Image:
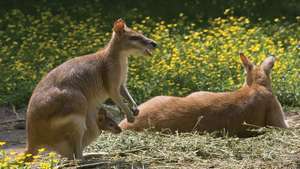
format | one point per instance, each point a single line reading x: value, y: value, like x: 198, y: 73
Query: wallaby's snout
x: 150, y: 45
x: 154, y: 44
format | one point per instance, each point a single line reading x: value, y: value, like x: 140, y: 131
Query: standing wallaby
x: 63, y: 104
x: 254, y: 104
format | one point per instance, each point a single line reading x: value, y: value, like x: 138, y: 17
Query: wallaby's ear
x: 246, y: 62
x: 119, y: 26
x: 268, y: 64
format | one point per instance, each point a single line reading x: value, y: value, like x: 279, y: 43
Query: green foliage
x: 200, y: 55
x: 33, y: 45
x: 166, y: 9
x: 191, y: 59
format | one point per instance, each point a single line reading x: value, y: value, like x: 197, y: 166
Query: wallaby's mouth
x: 150, y: 46
x: 148, y: 52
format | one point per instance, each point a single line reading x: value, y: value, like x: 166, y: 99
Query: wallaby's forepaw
x: 135, y: 111
x: 130, y: 119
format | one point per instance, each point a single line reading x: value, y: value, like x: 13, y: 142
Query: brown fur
x: 63, y: 104
x: 254, y: 103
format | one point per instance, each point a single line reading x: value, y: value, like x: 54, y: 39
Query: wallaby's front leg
x: 125, y: 93
x: 115, y: 95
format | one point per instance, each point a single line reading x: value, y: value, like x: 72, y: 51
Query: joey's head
x: 130, y: 41
x: 106, y: 123
x: 258, y: 74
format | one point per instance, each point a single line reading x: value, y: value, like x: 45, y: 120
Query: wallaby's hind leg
x: 73, y: 129
x: 31, y: 143
x: 65, y: 149
x: 77, y: 137
x: 71, y: 125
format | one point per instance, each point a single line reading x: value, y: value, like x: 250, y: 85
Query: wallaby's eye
x: 134, y: 38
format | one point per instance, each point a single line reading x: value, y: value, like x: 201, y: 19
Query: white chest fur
x: 123, y: 68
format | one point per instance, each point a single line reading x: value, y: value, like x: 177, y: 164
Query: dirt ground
x: 12, y: 127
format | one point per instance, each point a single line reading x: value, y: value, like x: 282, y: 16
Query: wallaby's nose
x: 153, y: 44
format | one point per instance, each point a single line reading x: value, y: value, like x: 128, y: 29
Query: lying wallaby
x: 254, y: 104
x: 66, y: 98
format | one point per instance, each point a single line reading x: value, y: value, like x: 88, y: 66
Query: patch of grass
x: 291, y: 109
x: 276, y: 148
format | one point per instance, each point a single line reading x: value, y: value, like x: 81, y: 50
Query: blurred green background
x: 199, y: 43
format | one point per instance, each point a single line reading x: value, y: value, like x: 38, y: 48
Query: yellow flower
x: 27, y: 163
x: 2, y: 143
x: 12, y: 153
x: 52, y: 154
x: 255, y: 48
x: 45, y: 165
x: 3, y: 165
x: 247, y: 21
x: 41, y: 150
x: 226, y: 11
x: 36, y: 157
x: 7, y: 159
x: 28, y: 155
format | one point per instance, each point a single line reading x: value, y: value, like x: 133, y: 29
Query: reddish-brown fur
x: 63, y: 105
x: 254, y: 103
